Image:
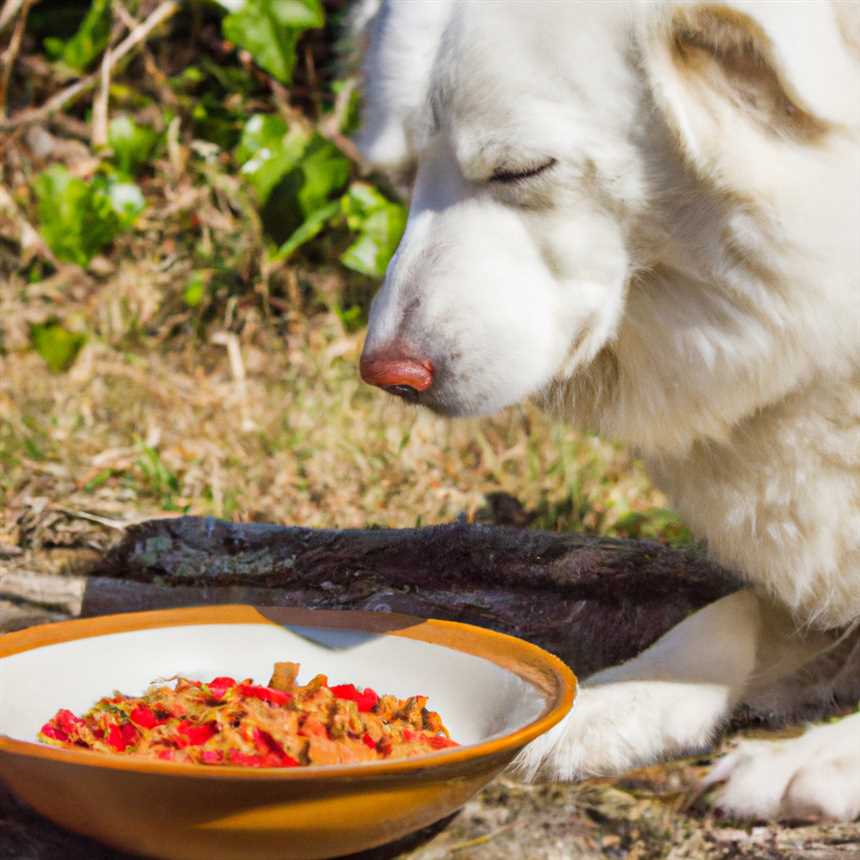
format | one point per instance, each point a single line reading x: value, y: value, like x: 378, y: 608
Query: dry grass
x: 269, y: 426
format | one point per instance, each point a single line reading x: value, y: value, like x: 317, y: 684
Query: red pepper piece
x: 368, y: 701
x: 365, y: 700
x: 237, y: 757
x: 145, y: 717
x: 219, y: 686
x: 344, y: 691
x: 267, y: 694
x: 67, y: 722
x: 165, y: 755
x: 274, y: 752
x: 409, y: 735
x: 265, y: 743
x: 114, y: 737
x: 194, y: 735
x: 212, y: 757
x: 368, y: 741
x: 129, y: 733
x: 49, y: 730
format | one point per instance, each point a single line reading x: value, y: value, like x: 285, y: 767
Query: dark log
x: 593, y: 601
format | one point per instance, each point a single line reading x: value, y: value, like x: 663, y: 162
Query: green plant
x: 91, y: 38
x: 157, y: 478
x: 58, y: 346
x: 294, y: 174
x: 267, y: 151
x: 378, y: 223
x: 269, y: 30
x: 79, y: 218
x: 132, y: 144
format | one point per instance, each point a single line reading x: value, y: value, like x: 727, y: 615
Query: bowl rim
x: 533, y: 664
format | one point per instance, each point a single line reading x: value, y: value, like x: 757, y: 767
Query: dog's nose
x: 397, y: 373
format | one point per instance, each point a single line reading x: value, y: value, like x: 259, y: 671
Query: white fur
x: 666, y: 700
x: 684, y: 277
x: 812, y: 776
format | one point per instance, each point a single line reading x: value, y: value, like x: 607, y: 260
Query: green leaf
x: 323, y: 171
x: 294, y: 175
x: 269, y: 31
x: 320, y: 173
x: 195, y: 290
x: 379, y: 223
x: 353, y: 318
x: 74, y: 227
x: 267, y: 152
x: 58, y: 346
x: 88, y: 42
x: 77, y: 218
x: 132, y: 144
x: 311, y: 227
x: 101, y: 478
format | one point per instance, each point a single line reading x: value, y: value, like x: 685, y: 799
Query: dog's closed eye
x: 506, y: 176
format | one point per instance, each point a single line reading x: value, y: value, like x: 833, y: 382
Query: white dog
x: 647, y: 215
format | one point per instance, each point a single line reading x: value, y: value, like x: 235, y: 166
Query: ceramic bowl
x: 495, y: 693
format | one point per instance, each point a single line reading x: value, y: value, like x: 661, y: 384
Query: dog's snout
x: 396, y: 372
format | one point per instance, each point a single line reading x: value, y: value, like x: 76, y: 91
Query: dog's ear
x: 743, y: 73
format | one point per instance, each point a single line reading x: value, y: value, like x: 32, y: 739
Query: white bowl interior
x: 476, y: 698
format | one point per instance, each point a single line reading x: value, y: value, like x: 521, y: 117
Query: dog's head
x: 537, y: 140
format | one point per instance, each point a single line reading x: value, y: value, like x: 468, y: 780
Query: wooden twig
x: 9, y: 11
x: 331, y: 126
x: 64, y: 98
x: 166, y: 94
x: 107, y: 522
x: 101, y: 104
x: 7, y: 61
x: 230, y: 340
x: 29, y: 240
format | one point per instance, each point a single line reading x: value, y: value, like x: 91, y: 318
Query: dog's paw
x: 616, y: 726
x: 816, y: 775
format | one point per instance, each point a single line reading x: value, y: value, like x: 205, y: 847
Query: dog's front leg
x: 668, y: 700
